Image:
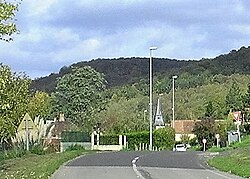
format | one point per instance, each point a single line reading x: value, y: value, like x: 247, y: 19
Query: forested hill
x: 117, y: 71
x: 127, y: 70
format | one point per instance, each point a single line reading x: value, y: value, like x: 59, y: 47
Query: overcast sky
x: 55, y: 33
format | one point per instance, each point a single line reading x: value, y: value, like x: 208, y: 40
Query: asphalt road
x: 140, y: 165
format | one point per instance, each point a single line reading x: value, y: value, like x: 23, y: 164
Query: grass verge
x: 36, y: 166
x: 235, y: 160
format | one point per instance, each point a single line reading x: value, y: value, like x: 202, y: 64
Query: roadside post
x: 217, y: 136
x: 204, y: 141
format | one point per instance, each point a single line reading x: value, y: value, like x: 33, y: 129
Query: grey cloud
x: 181, y: 29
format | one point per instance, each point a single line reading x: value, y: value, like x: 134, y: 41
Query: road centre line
x: 135, y: 169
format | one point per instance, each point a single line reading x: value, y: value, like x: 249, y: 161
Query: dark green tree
x: 246, y: 98
x: 234, y: 98
x: 205, y: 129
x: 246, y: 103
x: 209, y: 109
x: 78, y: 95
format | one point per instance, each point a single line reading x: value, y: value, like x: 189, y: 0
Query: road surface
x: 140, y: 165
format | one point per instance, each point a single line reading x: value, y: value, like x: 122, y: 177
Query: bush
x: 75, y: 136
x: 185, y: 138
x: 75, y: 147
x: 164, y: 138
x: 135, y: 138
x: 193, y: 141
x: 109, y: 139
x: 12, y: 153
x: 37, y: 149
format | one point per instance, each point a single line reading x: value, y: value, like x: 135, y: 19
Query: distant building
x: 184, y: 127
x: 158, y: 116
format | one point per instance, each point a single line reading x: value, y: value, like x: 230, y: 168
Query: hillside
x: 128, y: 70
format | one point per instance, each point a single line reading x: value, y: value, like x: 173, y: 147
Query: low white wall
x: 108, y: 147
x: 178, y: 136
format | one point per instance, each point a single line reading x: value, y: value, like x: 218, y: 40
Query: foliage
x: 135, y: 138
x: 123, y: 116
x: 14, y: 96
x: 185, y: 139
x: 134, y: 70
x: 33, y: 166
x: 209, y: 109
x: 7, y: 25
x: 234, y: 98
x: 164, y: 138
x: 37, y: 149
x: 237, y: 163
x: 39, y: 105
x: 247, y: 129
x: 78, y: 96
x: 75, y: 147
x: 202, y: 88
x: 205, y: 129
x: 12, y: 153
x: 109, y: 139
x: 246, y: 103
x: 235, y: 160
x: 222, y: 128
x: 75, y: 136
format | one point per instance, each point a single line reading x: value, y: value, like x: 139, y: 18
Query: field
x: 35, y: 166
x: 236, y: 160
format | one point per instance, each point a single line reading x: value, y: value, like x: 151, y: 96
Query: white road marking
x: 216, y: 173
x: 135, y: 169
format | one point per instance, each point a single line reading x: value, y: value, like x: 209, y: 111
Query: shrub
x: 109, y: 139
x: 75, y: 136
x: 135, y: 138
x: 37, y: 149
x: 185, y: 138
x: 12, y: 153
x: 75, y: 147
x: 164, y: 138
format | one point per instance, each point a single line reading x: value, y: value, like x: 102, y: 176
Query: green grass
x: 36, y: 166
x: 235, y: 160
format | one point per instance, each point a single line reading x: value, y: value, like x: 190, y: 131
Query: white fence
x: 120, y: 146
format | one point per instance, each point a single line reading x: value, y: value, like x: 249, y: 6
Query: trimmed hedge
x: 135, y: 138
x: 109, y: 140
x: 163, y: 138
x: 75, y: 136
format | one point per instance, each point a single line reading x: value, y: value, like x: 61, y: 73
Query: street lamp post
x: 173, y: 78
x: 150, y: 99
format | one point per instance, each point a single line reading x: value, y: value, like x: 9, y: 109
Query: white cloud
x: 38, y: 7
x: 56, y: 33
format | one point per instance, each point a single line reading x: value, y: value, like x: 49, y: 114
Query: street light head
x: 152, y: 48
x: 174, y: 77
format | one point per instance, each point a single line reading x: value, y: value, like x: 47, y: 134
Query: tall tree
x: 39, y: 104
x: 209, y: 109
x: 78, y: 95
x: 246, y: 98
x: 7, y: 25
x: 205, y: 129
x: 234, y: 98
x: 14, y: 96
